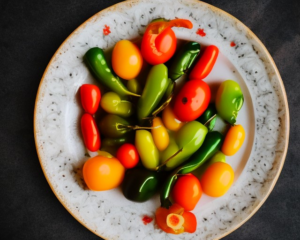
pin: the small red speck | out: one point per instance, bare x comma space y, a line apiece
147, 219
106, 30
232, 44
201, 32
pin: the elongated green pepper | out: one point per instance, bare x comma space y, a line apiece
183, 60
140, 184
211, 145
155, 88
207, 115
96, 62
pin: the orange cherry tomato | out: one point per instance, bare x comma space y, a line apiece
128, 155
187, 191
101, 173
192, 100
205, 64
217, 179
127, 60
90, 98
234, 140
170, 121
90, 132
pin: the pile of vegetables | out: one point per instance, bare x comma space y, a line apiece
153, 136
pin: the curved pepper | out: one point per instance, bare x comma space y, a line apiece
140, 184
159, 41
208, 115
96, 62
229, 100
187, 141
211, 145
156, 86
183, 60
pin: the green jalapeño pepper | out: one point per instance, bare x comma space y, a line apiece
139, 185
155, 88
183, 60
211, 145
187, 141
229, 101
96, 62
209, 117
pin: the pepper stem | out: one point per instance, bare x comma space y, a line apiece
165, 162
209, 120
120, 126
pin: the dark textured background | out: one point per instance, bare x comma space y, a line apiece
30, 33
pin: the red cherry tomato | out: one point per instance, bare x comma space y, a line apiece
192, 100
205, 64
90, 97
187, 191
90, 132
159, 41
128, 155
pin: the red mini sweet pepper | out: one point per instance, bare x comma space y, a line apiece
159, 41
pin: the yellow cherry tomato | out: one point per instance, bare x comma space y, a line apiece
127, 60
101, 173
170, 120
217, 179
234, 140
160, 134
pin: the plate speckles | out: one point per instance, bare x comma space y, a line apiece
58, 111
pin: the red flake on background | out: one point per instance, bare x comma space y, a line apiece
201, 32
106, 30
232, 44
146, 219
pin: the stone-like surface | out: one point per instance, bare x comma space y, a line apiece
30, 36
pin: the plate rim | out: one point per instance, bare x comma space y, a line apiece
248, 32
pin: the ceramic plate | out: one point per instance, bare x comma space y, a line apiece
264, 116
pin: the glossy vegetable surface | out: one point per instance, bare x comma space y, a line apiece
192, 100
187, 191
146, 148
127, 60
159, 41
90, 98
156, 86
229, 100
140, 184
208, 114
101, 173
109, 126
160, 134
205, 64
90, 132
234, 140
128, 155
183, 60
188, 139
170, 121
217, 179
112, 103
210, 146
96, 62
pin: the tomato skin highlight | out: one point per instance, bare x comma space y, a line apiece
90, 132
90, 98
187, 191
128, 155
205, 64
192, 100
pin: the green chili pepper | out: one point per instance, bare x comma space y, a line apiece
139, 185
134, 86
112, 103
229, 101
209, 113
111, 142
211, 145
187, 141
96, 62
156, 86
109, 126
183, 60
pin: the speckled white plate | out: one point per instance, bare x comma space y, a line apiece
264, 115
